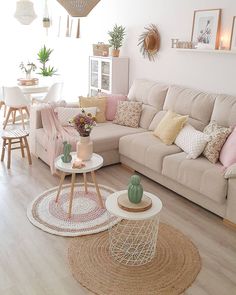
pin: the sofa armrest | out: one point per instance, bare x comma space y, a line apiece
35, 123
231, 201
230, 172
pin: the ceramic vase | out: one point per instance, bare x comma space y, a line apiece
135, 190
84, 148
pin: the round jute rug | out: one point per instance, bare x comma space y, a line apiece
87, 217
174, 268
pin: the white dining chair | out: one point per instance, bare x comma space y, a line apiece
53, 95
2, 100
15, 101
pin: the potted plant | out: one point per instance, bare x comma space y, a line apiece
43, 57
27, 69
116, 39
46, 22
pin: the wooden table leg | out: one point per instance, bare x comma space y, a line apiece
22, 148
63, 175
85, 183
3, 149
9, 154
97, 189
28, 150
71, 193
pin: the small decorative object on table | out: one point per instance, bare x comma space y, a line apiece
78, 164
117, 36
135, 190
27, 69
134, 201
66, 158
84, 124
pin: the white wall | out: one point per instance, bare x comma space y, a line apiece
210, 72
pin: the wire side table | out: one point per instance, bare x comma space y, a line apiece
133, 240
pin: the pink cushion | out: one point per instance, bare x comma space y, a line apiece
112, 102
228, 152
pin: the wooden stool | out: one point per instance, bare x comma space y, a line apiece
11, 138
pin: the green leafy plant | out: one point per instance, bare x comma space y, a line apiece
43, 57
116, 37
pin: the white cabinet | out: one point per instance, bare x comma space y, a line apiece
108, 75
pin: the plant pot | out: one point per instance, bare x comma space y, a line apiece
115, 52
46, 23
84, 148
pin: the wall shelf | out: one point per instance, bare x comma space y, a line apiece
207, 51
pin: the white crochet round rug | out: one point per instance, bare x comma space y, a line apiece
86, 218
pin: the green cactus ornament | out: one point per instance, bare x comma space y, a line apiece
135, 189
66, 158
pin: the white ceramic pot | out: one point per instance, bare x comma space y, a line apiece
84, 148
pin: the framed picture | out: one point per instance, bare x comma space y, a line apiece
206, 28
233, 35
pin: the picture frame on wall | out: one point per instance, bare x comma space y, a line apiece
206, 28
233, 35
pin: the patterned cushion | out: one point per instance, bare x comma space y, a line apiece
192, 141
64, 114
128, 113
99, 103
169, 127
218, 135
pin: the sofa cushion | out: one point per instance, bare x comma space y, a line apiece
146, 149
199, 175
148, 92
98, 102
198, 105
147, 115
224, 112
105, 136
128, 113
169, 127
218, 135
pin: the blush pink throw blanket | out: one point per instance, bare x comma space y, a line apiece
56, 135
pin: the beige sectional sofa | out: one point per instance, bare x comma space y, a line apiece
197, 180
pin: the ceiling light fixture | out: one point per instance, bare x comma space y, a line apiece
78, 8
25, 13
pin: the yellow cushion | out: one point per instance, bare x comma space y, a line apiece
99, 102
169, 127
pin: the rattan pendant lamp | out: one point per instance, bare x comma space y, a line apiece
78, 8
25, 13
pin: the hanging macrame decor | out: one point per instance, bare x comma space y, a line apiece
78, 8
149, 42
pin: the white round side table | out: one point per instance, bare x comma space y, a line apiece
93, 164
133, 240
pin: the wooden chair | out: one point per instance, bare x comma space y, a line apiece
15, 100
12, 137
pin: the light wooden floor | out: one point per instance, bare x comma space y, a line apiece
34, 262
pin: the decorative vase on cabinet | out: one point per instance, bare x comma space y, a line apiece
84, 148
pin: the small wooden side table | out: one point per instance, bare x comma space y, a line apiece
12, 137
93, 164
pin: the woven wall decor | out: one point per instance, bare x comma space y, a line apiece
78, 8
149, 42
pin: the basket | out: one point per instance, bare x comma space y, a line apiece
101, 49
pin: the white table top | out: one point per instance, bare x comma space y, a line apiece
34, 89
113, 208
93, 164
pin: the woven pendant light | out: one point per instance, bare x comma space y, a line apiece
25, 12
78, 8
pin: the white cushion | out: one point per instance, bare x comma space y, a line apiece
192, 141
230, 172
66, 114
